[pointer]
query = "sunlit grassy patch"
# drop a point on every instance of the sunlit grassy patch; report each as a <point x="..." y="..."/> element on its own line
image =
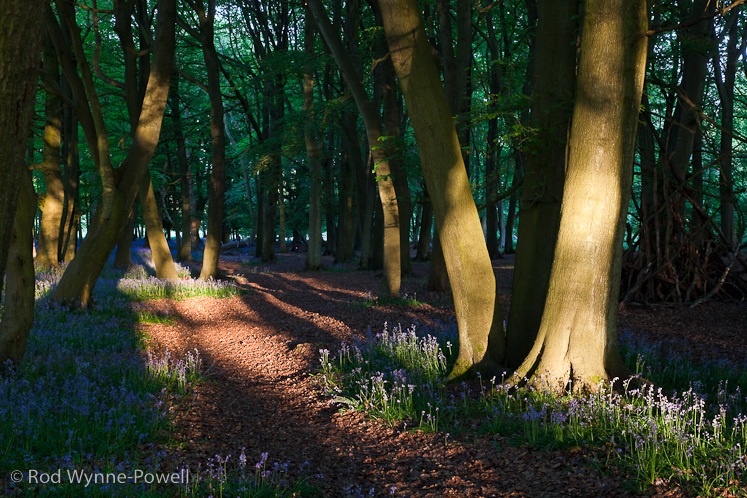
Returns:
<point x="692" y="429"/>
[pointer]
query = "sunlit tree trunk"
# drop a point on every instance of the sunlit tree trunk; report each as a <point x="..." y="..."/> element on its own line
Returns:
<point x="216" y="183"/>
<point x="478" y="310"/>
<point x="392" y="272"/>
<point x="577" y="339"/>
<point x="544" y="172"/>
<point x="159" y="247"/>
<point x="49" y="231"/>
<point x="118" y="190"/>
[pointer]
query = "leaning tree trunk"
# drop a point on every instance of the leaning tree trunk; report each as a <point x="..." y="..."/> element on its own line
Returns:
<point x="577" y="339"/>
<point x="118" y="191"/>
<point x="159" y="247"/>
<point x="544" y="172"/>
<point x="20" y="46"/>
<point x="478" y="310"/>
<point x="392" y="272"/>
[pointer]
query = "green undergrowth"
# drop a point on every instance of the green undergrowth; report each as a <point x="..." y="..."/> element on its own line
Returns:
<point x="371" y="301"/>
<point x="690" y="428"/>
<point x="89" y="399"/>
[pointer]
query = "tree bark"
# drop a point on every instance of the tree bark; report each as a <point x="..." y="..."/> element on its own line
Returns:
<point x="314" y="253"/>
<point x="577" y="339"/>
<point x="20" y="46"/>
<point x="49" y="231"/>
<point x="184" y="252"/>
<point x="216" y="184"/>
<point x="544" y="172"/>
<point x="392" y="272"/>
<point x="18" y="316"/>
<point x="159" y="247"/>
<point x="478" y="310"/>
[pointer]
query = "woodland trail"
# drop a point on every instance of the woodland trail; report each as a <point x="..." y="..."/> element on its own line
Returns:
<point x="260" y="349"/>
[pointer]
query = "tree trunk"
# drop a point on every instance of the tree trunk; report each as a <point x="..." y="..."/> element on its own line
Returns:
<point x="314" y="253"/>
<point x="49" y="231"/>
<point x="438" y="275"/>
<point x="118" y="190"/>
<point x="544" y="172"/>
<point x="392" y="272"/>
<point x="20" y="46"/>
<point x="123" y="253"/>
<point x="184" y="253"/>
<point x="159" y="248"/>
<point x="349" y="162"/>
<point x="577" y="339"/>
<point x="426" y="227"/>
<point x="16" y="320"/>
<point x="725" y="85"/>
<point x="216" y="184"/>
<point x="478" y="310"/>
<point x="71" y="214"/>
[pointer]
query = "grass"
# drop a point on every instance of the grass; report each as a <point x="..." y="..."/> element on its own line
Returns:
<point x="692" y="429"/>
<point x="88" y="400"/>
<point x="371" y="301"/>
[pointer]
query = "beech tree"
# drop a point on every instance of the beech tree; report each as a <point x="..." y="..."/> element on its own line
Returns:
<point x="478" y="310"/>
<point x="118" y="189"/>
<point x="20" y="49"/>
<point x="577" y="339"/>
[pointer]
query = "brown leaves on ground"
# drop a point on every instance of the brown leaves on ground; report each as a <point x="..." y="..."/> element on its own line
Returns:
<point x="261" y="347"/>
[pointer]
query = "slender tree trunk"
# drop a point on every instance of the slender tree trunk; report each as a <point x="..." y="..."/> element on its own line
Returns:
<point x="350" y="161"/>
<point x="392" y="272"/>
<point x="426" y="227"/>
<point x="313" y="156"/>
<point x="216" y="184"/>
<point x="329" y="204"/>
<point x="184" y="253"/>
<point x="725" y="82"/>
<point x="438" y="275"/>
<point x="544" y="172"/>
<point x="478" y="310"/>
<point x="577" y="339"/>
<point x="71" y="214"/>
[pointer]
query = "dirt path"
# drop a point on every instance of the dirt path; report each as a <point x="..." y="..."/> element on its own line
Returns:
<point x="260" y="349"/>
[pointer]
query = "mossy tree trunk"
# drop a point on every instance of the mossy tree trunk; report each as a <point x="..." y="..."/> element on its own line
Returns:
<point x="544" y="172"/>
<point x="478" y="310"/>
<point x="577" y="339"/>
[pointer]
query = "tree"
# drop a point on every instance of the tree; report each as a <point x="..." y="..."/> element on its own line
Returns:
<point x="544" y="172"/>
<point x="392" y="272"/>
<point x="577" y="339"/>
<point x="118" y="189"/>
<point x="478" y="310"/>
<point x="20" y="46"/>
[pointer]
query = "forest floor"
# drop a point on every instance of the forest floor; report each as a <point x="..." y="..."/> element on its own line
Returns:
<point x="261" y="348"/>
